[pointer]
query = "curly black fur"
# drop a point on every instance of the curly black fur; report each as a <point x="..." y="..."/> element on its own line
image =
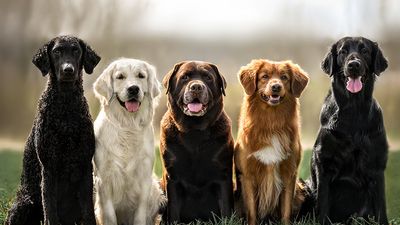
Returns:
<point x="56" y="183"/>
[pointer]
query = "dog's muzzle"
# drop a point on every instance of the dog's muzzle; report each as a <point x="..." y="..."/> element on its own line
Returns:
<point x="354" y="71"/>
<point x="195" y="99"/>
<point x="133" y="103"/>
<point x="67" y="72"/>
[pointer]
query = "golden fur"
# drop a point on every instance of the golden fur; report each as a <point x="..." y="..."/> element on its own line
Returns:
<point x="268" y="189"/>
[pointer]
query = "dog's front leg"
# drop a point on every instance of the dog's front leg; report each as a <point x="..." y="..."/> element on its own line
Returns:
<point x="174" y="203"/>
<point x="48" y="161"/>
<point x="86" y="198"/>
<point x="141" y="213"/>
<point x="379" y="199"/>
<point x="105" y="211"/>
<point x="49" y="195"/>
<point x="225" y="198"/>
<point x="249" y="201"/>
<point x="377" y="173"/>
<point x="322" y="204"/>
<point x="286" y="199"/>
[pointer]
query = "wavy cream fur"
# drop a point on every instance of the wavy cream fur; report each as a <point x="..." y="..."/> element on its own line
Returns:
<point x="126" y="192"/>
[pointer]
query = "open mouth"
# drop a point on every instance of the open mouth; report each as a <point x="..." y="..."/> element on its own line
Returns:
<point x="354" y="85"/>
<point x="131" y="105"/>
<point x="273" y="99"/>
<point x="195" y="108"/>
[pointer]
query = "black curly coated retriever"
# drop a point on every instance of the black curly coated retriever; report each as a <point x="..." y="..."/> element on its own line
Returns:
<point x="56" y="183"/>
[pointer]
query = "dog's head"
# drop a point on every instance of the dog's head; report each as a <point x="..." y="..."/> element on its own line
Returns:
<point x="353" y="61"/>
<point x="195" y="87"/>
<point x="273" y="82"/>
<point x="129" y="81"/>
<point x="64" y="57"/>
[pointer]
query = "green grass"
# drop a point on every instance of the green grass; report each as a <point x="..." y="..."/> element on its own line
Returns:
<point x="10" y="170"/>
<point x="11" y="165"/>
<point x="157" y="163"/>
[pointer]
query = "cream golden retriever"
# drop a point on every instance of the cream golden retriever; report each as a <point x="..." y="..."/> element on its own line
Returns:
<point x="126" y="192"/>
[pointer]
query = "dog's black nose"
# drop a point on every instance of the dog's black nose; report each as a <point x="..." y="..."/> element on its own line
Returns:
<point x="276" y="88"/>
<point x="68" y="68"/>
<point x="196" y="87"/>
<point x="133" y="90"/>
<point x="354" y="65"/>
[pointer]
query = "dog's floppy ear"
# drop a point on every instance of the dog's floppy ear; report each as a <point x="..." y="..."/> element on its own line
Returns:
<point x="103" y="86"/>
<point x="248" y="76"/>
<point x="328" y="65"/>
<point x="90" y="59"/>
<point x="154" y="85"/>
<point x="380" y="62"/>
<point x="41" y="59"/>
<point x="221" y="78"/>
<point x="299" y="79"/>
<point x="167" y="78"/>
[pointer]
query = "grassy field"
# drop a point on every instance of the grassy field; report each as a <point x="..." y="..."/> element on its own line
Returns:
<point x="11" y="165"/>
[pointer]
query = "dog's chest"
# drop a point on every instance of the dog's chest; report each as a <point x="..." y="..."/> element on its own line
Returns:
<point x="124" y="158"/>
<point x="198" y="159"/>
<point x="270" y="154"/>
<point x="128" y="152"/>
<point x="198" y="163"/>
<point x="197" y="146"/>
<point x="70" y="135"/>
<point x="66" y="123"/>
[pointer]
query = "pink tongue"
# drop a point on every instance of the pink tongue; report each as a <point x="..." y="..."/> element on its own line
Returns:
<point x="132" y="106"/>
<point x="354" y="85"/>
<point x="195" y="107"/>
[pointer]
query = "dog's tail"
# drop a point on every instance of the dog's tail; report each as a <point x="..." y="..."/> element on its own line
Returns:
<point x="304" y="200"/>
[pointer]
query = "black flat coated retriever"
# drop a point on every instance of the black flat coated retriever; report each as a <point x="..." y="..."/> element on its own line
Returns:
<point x="56" y="183"/>
<point x="350" y="153"/>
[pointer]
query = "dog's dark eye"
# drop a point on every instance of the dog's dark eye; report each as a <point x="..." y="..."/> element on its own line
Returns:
<point x="185" y="77"/>
<point x="265" y="77"/>
<point x="120" y="76"/>
<point x="208" y="77"/>
<point x="141" y="75"/>
<point x="343" y="51"/>
<point x="364" y="51"/>
<point x="56" y="52"/>
<point x="75" y="50"/>
<point x="284" y="77"/>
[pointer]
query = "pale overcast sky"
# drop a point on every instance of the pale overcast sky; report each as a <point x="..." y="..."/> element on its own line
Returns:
<point x="210" y="19"/>
<point x="243" y="19"/>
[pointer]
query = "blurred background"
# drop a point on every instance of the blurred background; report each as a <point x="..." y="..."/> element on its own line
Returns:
<point x="228" y="33"/>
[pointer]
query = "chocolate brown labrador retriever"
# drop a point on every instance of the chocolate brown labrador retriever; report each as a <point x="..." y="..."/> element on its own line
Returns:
<point x="196" y="144"/>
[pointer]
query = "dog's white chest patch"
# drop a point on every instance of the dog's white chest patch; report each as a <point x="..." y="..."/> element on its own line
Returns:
<point x="270" y="154"/>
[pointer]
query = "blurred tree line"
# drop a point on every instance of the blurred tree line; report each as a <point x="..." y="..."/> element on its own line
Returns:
<point x="111" y="28"/>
